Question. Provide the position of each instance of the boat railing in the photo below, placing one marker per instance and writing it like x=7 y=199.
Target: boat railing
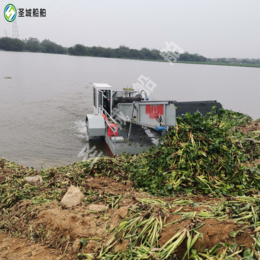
x=102 y=105
x=103 y=111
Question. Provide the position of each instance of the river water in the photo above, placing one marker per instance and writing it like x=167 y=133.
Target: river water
x=44 y=101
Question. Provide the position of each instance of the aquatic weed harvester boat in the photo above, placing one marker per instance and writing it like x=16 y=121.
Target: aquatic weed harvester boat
x=129 y=122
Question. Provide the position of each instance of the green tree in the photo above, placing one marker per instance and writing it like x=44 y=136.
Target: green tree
x=32 y=45
x=9 y=44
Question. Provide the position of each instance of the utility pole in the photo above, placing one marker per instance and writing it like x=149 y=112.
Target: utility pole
x=15 y=30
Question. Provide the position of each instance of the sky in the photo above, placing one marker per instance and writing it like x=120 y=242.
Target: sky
x=212 y=28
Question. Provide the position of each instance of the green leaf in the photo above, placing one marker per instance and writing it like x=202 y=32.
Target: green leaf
x=233 y=233
x=83 y=241
x=247 y=252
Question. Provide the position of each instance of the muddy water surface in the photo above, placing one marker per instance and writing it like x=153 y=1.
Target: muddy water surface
x=44 y=99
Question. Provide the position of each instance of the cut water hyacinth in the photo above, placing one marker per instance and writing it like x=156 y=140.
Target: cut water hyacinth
x=205 y=155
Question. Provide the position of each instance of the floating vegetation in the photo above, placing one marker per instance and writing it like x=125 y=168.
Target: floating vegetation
x=128 y=89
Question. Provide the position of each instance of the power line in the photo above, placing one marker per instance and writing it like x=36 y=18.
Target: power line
x=75 y=10
x=15 y=30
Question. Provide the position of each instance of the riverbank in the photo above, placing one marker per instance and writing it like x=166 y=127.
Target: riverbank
x=222 y=64
x=195 y=196
x=116 y=220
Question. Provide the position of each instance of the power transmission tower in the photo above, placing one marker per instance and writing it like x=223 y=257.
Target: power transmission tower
x=15 y=30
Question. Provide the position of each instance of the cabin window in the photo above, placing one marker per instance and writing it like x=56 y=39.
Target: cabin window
x=100 y=96
x=94 y=97
x=107 y=93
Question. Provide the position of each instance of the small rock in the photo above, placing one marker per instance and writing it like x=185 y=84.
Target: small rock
x=122 y=212
x=97 y=208
x=76 y=245
x=34 y=180
x=72 y=197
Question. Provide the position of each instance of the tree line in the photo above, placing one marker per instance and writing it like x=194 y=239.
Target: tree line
x=128 y=53
x=31 y=45
x=236 y=61
x=47 y=46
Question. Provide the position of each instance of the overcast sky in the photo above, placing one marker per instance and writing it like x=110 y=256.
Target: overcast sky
x=213 y=28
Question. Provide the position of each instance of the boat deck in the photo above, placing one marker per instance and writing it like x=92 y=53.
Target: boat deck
x=141 y=139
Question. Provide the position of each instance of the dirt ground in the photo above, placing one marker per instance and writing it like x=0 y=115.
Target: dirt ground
x=22 y=249
x=214 y=232
x=53 y=232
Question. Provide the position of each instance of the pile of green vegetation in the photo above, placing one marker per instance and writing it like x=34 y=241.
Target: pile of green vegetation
x=202 y=154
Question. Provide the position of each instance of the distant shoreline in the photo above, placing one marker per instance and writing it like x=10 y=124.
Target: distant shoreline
x=178 y=62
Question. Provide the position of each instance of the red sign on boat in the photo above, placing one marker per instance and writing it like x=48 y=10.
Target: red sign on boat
x=154 y=110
